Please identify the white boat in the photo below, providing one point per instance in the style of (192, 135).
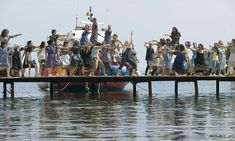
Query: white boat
(76, 35)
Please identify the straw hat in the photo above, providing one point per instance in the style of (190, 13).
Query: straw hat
(221, 44)
(16, 45)
(115, 36)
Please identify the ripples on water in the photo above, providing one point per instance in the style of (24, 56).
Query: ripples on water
(33, 116)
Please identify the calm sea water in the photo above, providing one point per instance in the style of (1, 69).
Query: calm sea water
(119, 116)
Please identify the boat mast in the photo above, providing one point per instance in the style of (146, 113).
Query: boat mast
(76, 22)
(90, 18)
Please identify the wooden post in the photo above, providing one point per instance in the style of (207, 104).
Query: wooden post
(4, 90)
(217, 88)
(196, 88)
(12, 89)
(92, 88)
(134, 89)
(51, 89)
(176, 89)
(150, 89)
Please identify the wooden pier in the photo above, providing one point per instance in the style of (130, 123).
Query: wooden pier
(103, 79)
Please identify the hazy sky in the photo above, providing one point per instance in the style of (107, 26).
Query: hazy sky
(204, 21)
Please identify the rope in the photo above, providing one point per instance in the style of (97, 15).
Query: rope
(68, 82)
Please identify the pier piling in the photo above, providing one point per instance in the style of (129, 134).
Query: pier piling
(12, 89)
(4, 90)
(176, 89)
(51, 90)
(196, 88)
(150, 88)
(217, 88)
(134, 89)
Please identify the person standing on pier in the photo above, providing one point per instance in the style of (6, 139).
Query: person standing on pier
(84, 39)
(231, 61)
(178, 66)
(149, 55)
(175, 36)
(41, 53)
(16, 65)
(4, 59)
(51, 55)
(96, 61)
(94, 32)
(127, 58)
(54, 36)
(76, 61)
(5, 35)
(108, 35)
(29, 61)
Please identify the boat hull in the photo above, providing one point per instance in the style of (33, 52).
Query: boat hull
(82, 87)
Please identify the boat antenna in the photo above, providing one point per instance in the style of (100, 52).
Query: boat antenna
(76, 21)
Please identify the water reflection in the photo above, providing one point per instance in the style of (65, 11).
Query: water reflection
(118, 117)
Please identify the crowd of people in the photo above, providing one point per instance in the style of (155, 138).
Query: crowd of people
(172, 58)
(70, 56)
(87, 55)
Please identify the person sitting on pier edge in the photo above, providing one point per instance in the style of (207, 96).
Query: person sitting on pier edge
(94, 32)
(96, 61)
(127, 58)
(29, 61)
